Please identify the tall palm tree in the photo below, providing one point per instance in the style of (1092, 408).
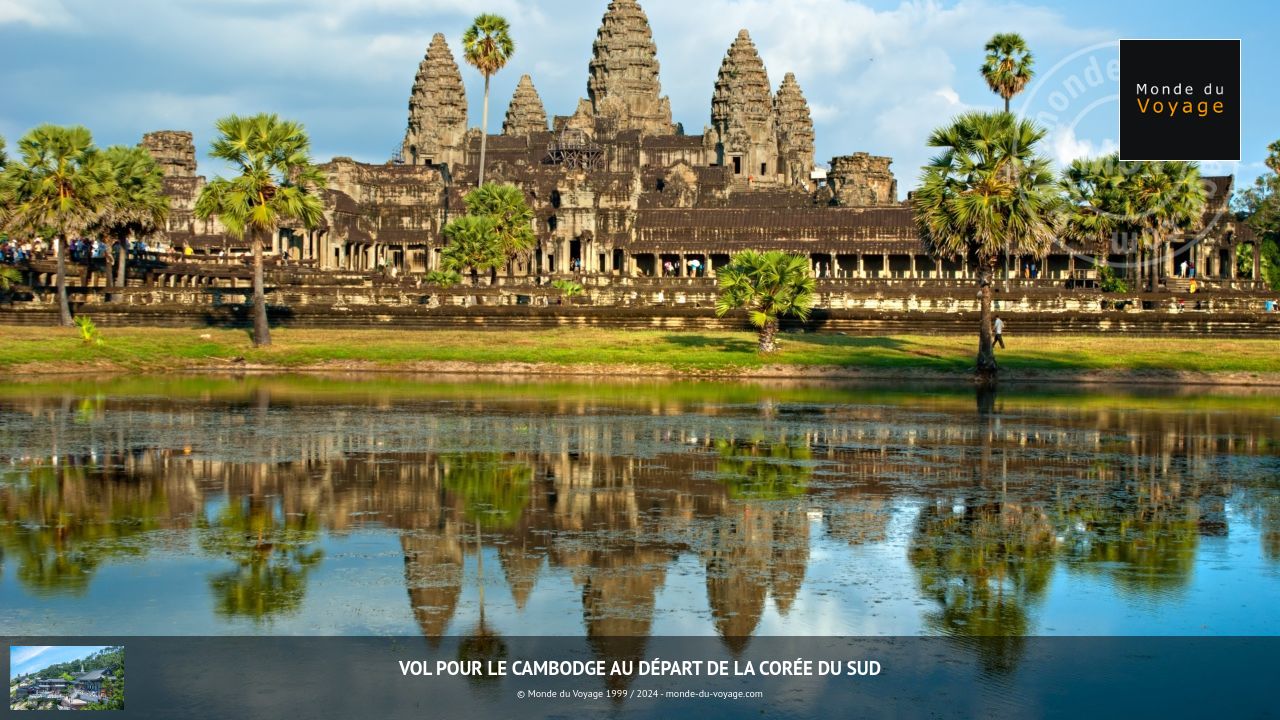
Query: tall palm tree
(138, 204)
(4, 159)
(987, 193)
(1169, 196)
(60, 184)
(277, 183)
(487, 46)
(770, 286)
(513, 220)
(1008, 66)
(473, 244)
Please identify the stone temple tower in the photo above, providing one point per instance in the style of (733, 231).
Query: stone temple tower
(795, 133)
(437, 110)
(525, 114)
(623, 83)
(744, 133)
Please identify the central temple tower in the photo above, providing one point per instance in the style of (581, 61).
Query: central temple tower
(623, 83)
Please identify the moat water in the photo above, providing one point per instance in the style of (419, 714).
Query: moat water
(305, 506)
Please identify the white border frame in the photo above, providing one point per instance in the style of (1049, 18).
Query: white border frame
(1120, 105)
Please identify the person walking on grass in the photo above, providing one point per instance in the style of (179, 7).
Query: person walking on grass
(998, 326)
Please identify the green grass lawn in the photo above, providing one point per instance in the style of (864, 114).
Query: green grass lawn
(156, 349)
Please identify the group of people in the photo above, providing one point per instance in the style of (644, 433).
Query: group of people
(1187, 269)
(13, 252)
(694, 265)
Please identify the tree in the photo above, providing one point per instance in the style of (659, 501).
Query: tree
(513, 220)
(1166, 197)
(770, 286)
(60, 184)
(4, 159)
(1099, 203)
(277, 183)
(986, 194)
(138, 204)
(473, 245)
(1259, 206)
(1008, 67)
(487, 46)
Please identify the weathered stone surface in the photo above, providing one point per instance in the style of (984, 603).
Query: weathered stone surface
(863, 180)
(743, 132)
(525, 114)
(795, 133)
(624, 85)
(437, 110)
(173, 150)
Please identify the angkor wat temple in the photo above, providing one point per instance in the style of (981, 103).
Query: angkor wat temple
(627, 204)
(616, 186)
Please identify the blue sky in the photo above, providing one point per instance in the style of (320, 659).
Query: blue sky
(879, 75)
(25, 659)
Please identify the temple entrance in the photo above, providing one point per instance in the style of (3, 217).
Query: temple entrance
(645, 265)
(737, 164)
(619, 262)
(575, 256)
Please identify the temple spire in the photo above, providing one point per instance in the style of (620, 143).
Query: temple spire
(795, 132)
(437, 110)
(743, 124)
(623, 83)
(525, 114)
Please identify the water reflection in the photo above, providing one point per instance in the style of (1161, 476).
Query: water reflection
(620, 513)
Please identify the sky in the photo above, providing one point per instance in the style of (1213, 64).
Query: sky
(25, 659)
(879, 76)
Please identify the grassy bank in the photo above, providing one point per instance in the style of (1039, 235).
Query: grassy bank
(37, 350)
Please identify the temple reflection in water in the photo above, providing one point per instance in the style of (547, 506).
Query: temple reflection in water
(790, 511)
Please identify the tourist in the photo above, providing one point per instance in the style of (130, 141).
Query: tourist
(999, 328)
(1183, 269)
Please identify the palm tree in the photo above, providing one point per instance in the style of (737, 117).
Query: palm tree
(4, 159)
(473, 244)
(138, 204)
(1008, 67)
(770, 286)
(513, 220)
(60, 185)
(986, 194)
(277, 183)
(487, 46)
(1168, 197)
(1096, 208)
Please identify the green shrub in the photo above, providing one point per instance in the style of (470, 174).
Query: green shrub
(1110, 282)
(568, 287)
(89, 332)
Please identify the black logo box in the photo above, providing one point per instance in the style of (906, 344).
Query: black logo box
(1188, 65)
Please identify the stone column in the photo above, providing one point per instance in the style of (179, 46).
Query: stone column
(914, 274)
(884, 273)
(862, 267)
(1257, 260)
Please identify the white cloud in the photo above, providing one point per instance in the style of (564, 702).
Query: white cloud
(1067, 147)
(26, 654)
(876, 80)
(37, 13)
